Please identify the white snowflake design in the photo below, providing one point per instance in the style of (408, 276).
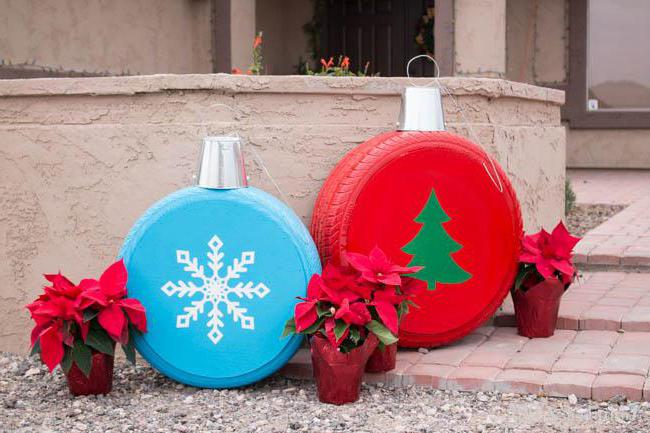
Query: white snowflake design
(215, 289)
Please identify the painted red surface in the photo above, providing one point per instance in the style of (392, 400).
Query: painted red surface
(373, 197)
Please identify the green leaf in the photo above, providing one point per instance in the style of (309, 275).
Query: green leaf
(83, 357)
(384, 335)
(99, 340)
(523, 273)
(402, 309)
(36, 349)
(355, 335)
(66, 362)
(129, 351)
(339, 329)
(289, 328)
(323, 311)
(313, 328)
(90, 314)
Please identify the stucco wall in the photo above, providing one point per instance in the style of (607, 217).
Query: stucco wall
(117, 36)
(81, 159)
(537, 52)
(480, 37)
(608, 148)
(537, 41)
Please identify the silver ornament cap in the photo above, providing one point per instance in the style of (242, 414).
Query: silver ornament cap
(221, 164)
(421, 110)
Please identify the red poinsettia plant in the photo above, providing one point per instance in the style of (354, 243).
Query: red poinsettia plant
(368, 295)
(73, 320)
(546, 256)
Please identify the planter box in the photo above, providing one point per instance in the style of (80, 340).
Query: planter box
(82, 158)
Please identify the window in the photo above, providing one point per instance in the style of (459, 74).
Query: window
(609, 76)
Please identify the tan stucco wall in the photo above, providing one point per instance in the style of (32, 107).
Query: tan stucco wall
(537, 53)
(608, 148)
(480, 37)
(537, 41)
(81, 159)
(117, 36)
(242, 32)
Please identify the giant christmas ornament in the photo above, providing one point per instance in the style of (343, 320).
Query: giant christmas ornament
(427, 198)
(218, 267)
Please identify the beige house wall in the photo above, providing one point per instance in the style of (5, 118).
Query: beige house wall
(537, 53)
(537, 41)
(82, 159)
(480, 38)
(117, 36)
(243, 29)
(608, 148)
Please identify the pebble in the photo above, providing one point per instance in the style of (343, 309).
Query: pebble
(573, 400)
(32, 372)
(617, 399)
(144, 401)
(423, 350)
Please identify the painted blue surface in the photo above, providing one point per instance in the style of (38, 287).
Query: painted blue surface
(180, 228)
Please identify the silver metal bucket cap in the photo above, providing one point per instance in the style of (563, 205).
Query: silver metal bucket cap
(421, 110)
(221, 164)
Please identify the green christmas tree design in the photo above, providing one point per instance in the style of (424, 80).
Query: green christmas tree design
(432, 247)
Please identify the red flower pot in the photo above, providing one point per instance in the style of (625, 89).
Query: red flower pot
(100, 380)
(338, 375)
(537, 308)
(381, 361)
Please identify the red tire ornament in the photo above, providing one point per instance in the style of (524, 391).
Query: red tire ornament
(430, 199)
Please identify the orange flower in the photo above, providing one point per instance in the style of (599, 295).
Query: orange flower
(327, 64)
(345, 64)
(235, 71)
(258, 41)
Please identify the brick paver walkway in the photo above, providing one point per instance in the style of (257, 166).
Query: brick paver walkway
(601, 348)
(590, 364)
(609, 186)
(622, 240)
(599, 301)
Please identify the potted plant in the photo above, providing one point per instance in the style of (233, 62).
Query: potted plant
(346, 314)
(77, 327)
(391, 295)
(545, 271)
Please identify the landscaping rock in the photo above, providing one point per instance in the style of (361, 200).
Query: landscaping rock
(145, 401)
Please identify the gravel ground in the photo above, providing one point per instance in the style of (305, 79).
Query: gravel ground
(584, 217)
(144, 401)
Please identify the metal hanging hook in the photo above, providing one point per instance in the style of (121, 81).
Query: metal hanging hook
(256, 155)
(420, 56)
(492, 174)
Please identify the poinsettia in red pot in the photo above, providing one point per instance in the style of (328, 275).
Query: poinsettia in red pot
(346, 318)
(391, 293)
(77, 327)
(545, 271)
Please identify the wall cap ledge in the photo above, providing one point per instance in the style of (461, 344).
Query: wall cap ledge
(226, 83)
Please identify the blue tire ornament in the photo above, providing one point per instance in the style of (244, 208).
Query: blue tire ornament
(218, 271)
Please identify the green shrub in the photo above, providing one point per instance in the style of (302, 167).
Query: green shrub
(569, 196)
